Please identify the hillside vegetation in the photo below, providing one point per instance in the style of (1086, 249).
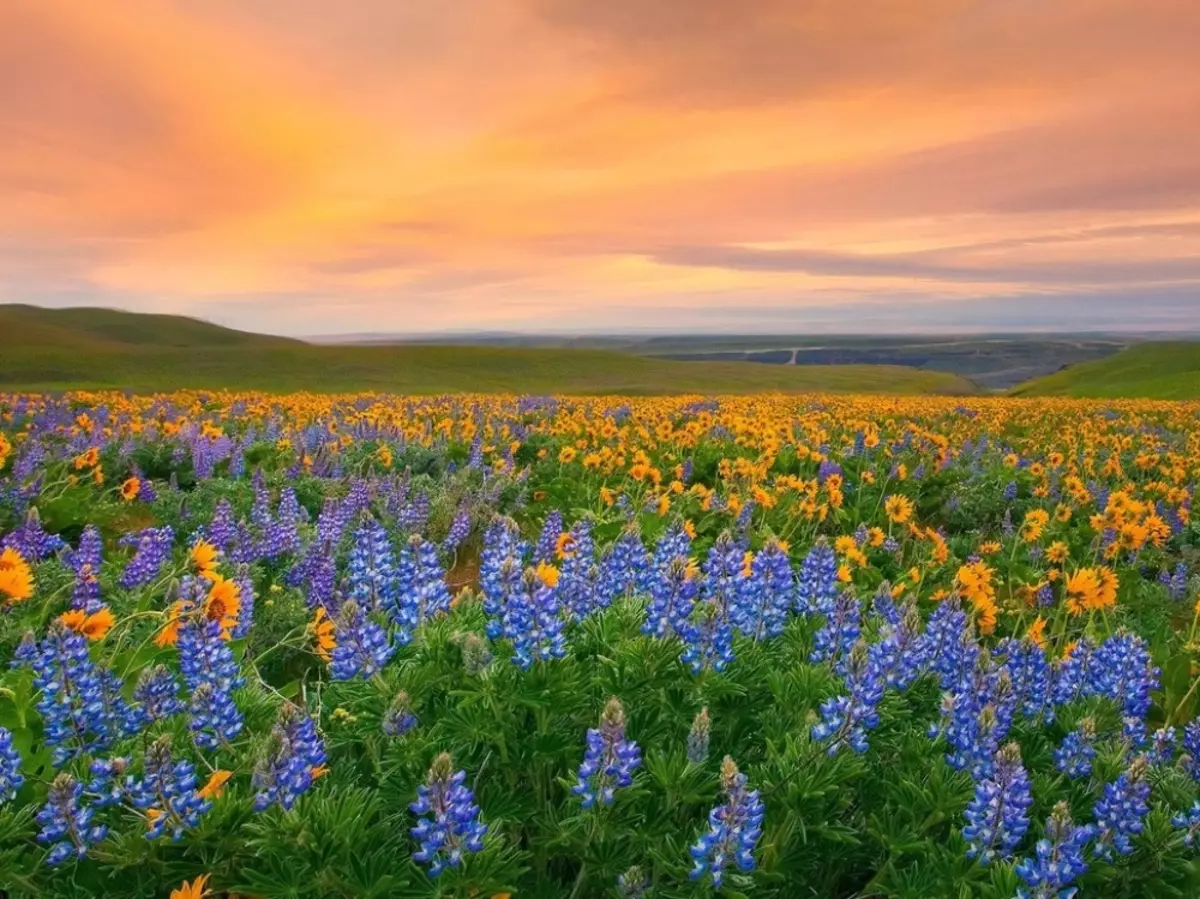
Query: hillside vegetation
(441, 369)
(28, 327)
(1150, 370)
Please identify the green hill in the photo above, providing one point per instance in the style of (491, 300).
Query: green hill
(99, 329)
(1149, 370)
(441, 369)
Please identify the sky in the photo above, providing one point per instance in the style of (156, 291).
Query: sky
(408, 166)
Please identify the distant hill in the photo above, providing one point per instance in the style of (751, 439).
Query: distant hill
(1167, 370)
(85, 328)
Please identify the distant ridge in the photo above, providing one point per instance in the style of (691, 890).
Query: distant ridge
(1167, 370)
(89, 328)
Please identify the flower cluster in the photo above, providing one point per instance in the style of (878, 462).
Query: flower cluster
(448, 824)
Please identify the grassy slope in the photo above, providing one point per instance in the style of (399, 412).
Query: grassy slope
(99, 329)
(1150, 370)
(440, 369)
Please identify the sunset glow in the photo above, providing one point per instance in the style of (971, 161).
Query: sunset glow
(303, 167)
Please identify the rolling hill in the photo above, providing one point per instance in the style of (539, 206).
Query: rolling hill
(86, 328)
(439, 369)
(1167, 370)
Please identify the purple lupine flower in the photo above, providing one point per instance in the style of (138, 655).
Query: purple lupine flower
(286, 770)
(1176, 581)
(1123, 670)
(422, 591)
(152, 550)
(818, 581)
(362, 647)
(698, 737)
(109, 783)
(534, 623)
(448, 824)
(11, 778)
(31, 540)
(213, 718)
(1161, 750)
(845, 719)
(544, 550)
(620, 566)
(840, 632)
(85, 563)
(206, 658)
(157, 693)
(610, 759)
(673, 593)
(168, 787)
(733, 829)
(1060, 858)
(460, 529)
(1189, 823)
(399, 718)
(1074, 757)
(578, 588)
(632, 883)
(67, 821)
(1121, 810)
(769, 594)
(371, 577)
(998, 815)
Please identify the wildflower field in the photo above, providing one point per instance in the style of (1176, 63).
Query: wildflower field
(479, 646)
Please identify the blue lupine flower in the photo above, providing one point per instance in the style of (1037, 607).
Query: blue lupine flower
(998, 815)
(206, 658)
(157, 693)
(32, 540)
(153, 549)
(632, 883)
(620, 566)
(708, 640)
(768, 595)
(698, 737)
(610, 759)
(362, 647)
(109, 783)
(1072, 674)
(673, 544)
(733, 829)
(1074, 757)
(578, 589)
(167, 792)
(422, 590)
(1030, 673)
(223, 531)
(67, 821)
(1122, 670)
(1176, 581)
(245, 617)
(213, 718)
(501, 562)
(11, 778)
(371, 574)
(448, 824)
(1060, 858)
(85, 563)
(547, 542)
(460, 529)
(399, 718)
(840, 632)
(818, 580)
(81, 705)
(287, 769)
(534, 623)
(1189, 823)
(673, 593)
(952, 651)
(1010, 491)
(1121, 810)
(1161, 750)
(845, 719)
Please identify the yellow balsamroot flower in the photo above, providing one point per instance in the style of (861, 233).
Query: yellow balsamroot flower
(564, 546)
(1057, 552)
(1034, 525)
(547, 574)
(130, 488)
(223, 604)
(1089, 589)
(989, 548)
(94, 626)
(215, 785)
(974, 581)
(204, 559)
(899, 508)
(384, 455)
(566, 454)
(1037, 632)
(193, 890)
(322, 629)
(16, 577)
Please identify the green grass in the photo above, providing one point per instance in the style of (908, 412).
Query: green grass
(1169, 371)
(95, 330)
(440, 369)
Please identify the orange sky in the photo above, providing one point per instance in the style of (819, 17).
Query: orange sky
(310, 167)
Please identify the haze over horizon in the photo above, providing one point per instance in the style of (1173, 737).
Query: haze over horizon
(567, 166)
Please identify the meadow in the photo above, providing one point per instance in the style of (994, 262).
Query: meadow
(371, 645)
